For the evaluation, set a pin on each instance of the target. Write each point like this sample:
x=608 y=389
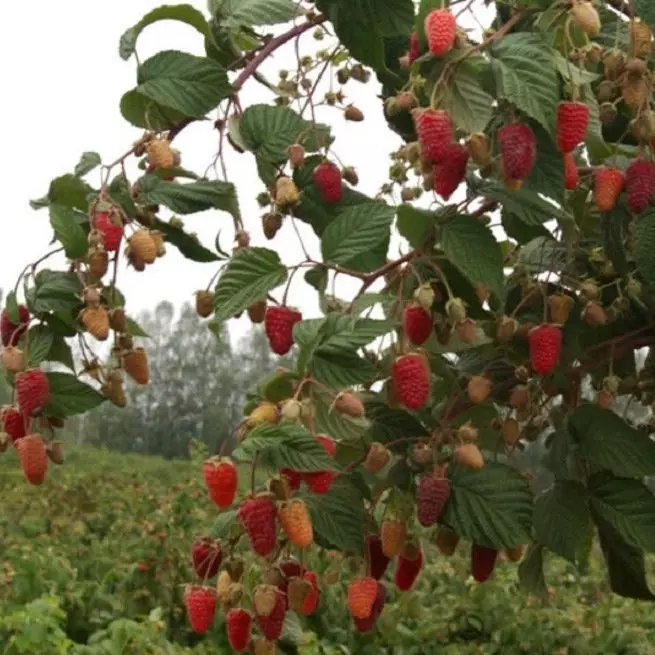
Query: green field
x=93 y=563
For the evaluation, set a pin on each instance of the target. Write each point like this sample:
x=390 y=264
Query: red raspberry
x=640 y=185
x=608 y=184
x=483 y=561
x=294 y=478
x=440 y=30
x=518 y=147
x=200 y=603
x=545 y=342
x=33 y=458
x=206 y=555
x=10 y=332
x=432 y=494
x=259 y=519
x=571 y=125
x=238 y=623
x=365 y=625
x=290 y=568
x=111 y=233
x=450 y=173
x=320 y=482
x=13 y=423
x=410 y=375
x=435 y=132
x=414 y=51
x=571 y=175
x=362 y=593
x=376 y=560
x=32 y=391
x=222 y=479
x=272 y=624
x=407 y=570
x=417 y=323
x=327 y=179
x=313 y=597
x=278 y=325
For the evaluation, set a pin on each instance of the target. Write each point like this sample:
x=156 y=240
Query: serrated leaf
x=611 y=225
x=466 y=101
x=286 y=445
x=188 y=245
x=491 y=507
x=247 y=277
x=182 y=13
x=416 y=224
x=355 y=231
x=473 y=249
x=644 y=246
x=562 y=521
x=38 y=344
x=524 y=71
x=390 y=424
x=646 y=11
x=340 y=369
x=608 y=442
x=65 y=222
x=134 y=329
x=571 y=72
x=88 y=161
x=185 y=83
x=222 y=526
x=55 y=291
x=317 y=277
x=11 y=305
x=141 y=111
x=531 y=571
x=257 y=12
x=278 y=386
x=70 y=191
x=344 y=332
x=60 y=351
x=543 y=254
x=70 y=396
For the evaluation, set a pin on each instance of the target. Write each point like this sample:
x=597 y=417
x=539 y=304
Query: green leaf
x=547 y=176
x=234 y=13
x=340 y=369
x=70 y=396
x=65 y=222
x=646 y=11
x=573 y=73
x=182 y=13
x=185 y=83
x=644 y=245
x=524 y=70
x=611 y=225
x=70 y=191
x=562 y=521
x=38 y=340
x=390 y=424
x=134 y=329
x=286 y=445
x=60 y=351
x=416 y=224
x=11 y=305
x=543 y=254
x=607 y=441
x=247 y=278
x=191 y=197
x=355 y=231
x=338 y=516
x=141 y=111
x=188 y=245
x=88 y=161
x=224 y=523
x=54 y=291
x=473 y=249
x=465 y=100
x=341 y=332
x=278 y=386
x=531 y=571
x=491 y=507
x=317 y=277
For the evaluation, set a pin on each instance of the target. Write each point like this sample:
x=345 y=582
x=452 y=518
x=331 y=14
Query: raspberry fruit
x=640 y=185
x=13 y=423
x=417 y=323
x=410 y=376
x=608 y=185
x=272 y=624
x=311 y=600
x=362 y=593
x=545 y=342
x=110 y=231
x=135 y=363
x=32 y=391
x=320 y=482
x=143 y=246
x=450 y=173
x=204 y=303
x=410 y=563
x=259 y=519
x=518 y=148
x=392 y=535
x=278 y=325
x=571 y=125
x=328 y=181
x=33 y=458
x=483 y=561
x=469 y=456
x=296 y=523
x=294 y=478
x=222 y=479
x=365 y=625
x=414 y=51
x=376 y=560
x=238 y=623
x=206 y=555
x=10 y=332
x=571 y=175
x=96 y=322
x=200 y=603
x=435 y=132
x=432 y=494
x=440 y=29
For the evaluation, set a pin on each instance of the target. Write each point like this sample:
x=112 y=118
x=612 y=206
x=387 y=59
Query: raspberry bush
x=490 y=388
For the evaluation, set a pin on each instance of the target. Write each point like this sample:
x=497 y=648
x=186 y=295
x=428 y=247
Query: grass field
x=94 y=561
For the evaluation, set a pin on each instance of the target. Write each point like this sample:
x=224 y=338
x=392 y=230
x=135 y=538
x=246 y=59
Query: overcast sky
x=62 y=82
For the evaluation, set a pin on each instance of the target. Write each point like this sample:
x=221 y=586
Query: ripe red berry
x=111 y=233
x=206 y=555
x=440 y=30
x=571 y=125
x=10 y=332
x=518 y=148
x=278 y=325
x=483 y=561
x=13 y=423
x=407 y=570
x=432 y=494
x=376 y=560
x=313 y=597
x=33 y=458
x=222 y=479
x=361 y=597
x=328 y=181
x=435 y=132
x=545 y=342
x=259 y=519
x=365 y=625
x=238 y=623
x=32 y=391
x=571 y=175
x=410 y=375
x=272 y=624
x=417 y=323
x=294 y=478
x=608 y=185
x=320 y=482
x=414 y=51
x=200 y=603
x=640 y=185
x=450 y=173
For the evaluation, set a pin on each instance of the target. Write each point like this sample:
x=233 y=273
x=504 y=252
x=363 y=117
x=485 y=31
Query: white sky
x=63 y=80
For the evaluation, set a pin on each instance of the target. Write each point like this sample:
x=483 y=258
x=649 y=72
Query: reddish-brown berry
x=414 y=51
x=417 y=323
x=238 y=624
x=608 y=185
x=361 y=597
x=440 y=29
x=328 y=180
x=365 y=625
x=32 y=391
x=451 y=171
x=518 y=147
x=258 y=517
x=200 y=603
x=407 y=570
x=206 y=556
x=33 y=458
x=571 y=175
x=222 y=479
x=10 y=332
x=640 y=185
x=435 y=132
x=483 y=561
x=272 y=624
x=312 y=599
x=545 y=342
x=294 y=478
x=410 y=375
x=376 y=560
x=278 y=325
x=571 y=125
x=432 y=494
